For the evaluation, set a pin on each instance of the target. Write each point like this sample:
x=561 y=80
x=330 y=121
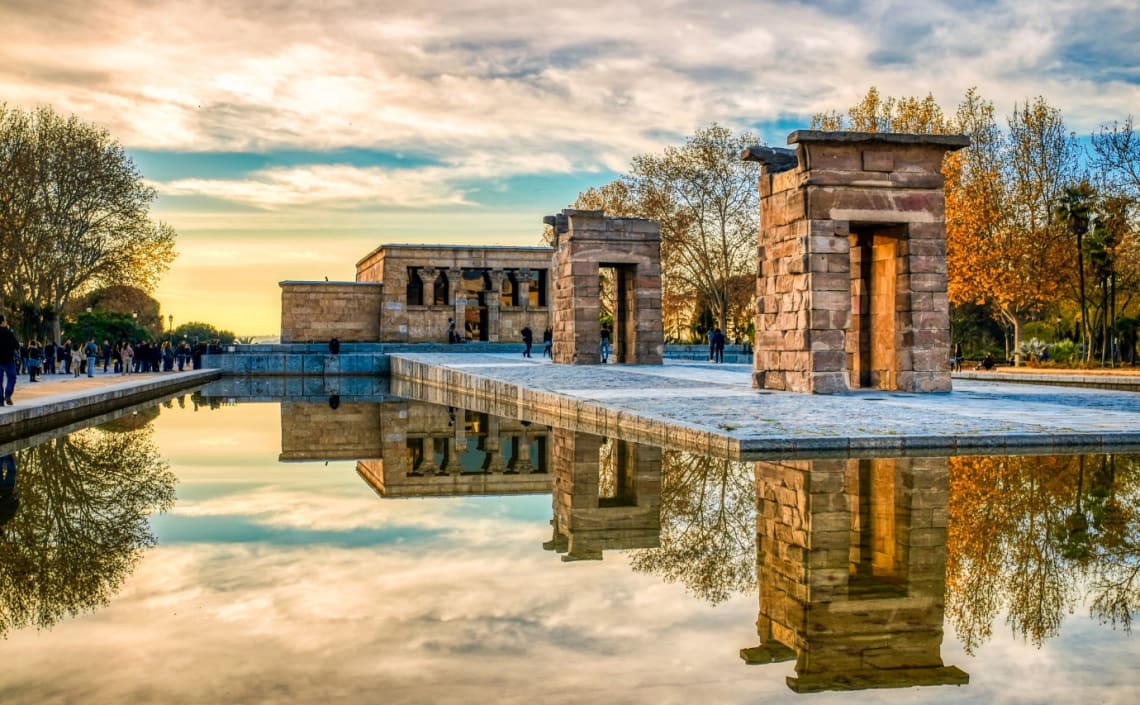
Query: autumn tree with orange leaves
x=1004 y=248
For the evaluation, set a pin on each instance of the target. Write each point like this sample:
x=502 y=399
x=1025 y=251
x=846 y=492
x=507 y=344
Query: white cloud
x=327 y=185
x=591 y=85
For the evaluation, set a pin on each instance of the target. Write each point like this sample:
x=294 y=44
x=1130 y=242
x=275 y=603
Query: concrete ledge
x=1065 y=379
x=53 y=411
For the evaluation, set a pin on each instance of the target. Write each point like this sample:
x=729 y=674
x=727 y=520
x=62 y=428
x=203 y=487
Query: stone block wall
x=632 y=247
x=406 y=321
x=350 y=431
x=851 y=286
x=318 y=311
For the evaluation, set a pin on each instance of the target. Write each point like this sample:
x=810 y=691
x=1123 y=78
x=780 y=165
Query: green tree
x=75 y=213
x=203 y=332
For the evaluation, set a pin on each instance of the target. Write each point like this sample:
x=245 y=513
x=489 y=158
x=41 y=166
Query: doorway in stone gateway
x=617 y=289
x=876 y=257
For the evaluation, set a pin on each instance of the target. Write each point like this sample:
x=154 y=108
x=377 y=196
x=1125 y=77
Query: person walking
x=9 y=349
x=91 y=352
x=604 y=345
x=528 y=340
x=548 y=343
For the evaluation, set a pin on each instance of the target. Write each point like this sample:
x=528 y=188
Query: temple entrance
x=872 y=337
x=616 y=306
x=606 y=270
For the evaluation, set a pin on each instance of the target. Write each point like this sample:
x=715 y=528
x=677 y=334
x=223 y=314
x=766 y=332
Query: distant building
x=408 y=293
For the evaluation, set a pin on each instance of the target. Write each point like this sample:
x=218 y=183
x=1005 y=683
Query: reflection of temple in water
x=606 y=492
x=429 y=450
x=852 y=565
x=607 y=495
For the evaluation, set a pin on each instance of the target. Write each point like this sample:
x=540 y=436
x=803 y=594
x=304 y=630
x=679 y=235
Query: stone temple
x=851 y=288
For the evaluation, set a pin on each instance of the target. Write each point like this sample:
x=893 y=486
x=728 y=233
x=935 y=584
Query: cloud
x=327 y=185
x=507 y=79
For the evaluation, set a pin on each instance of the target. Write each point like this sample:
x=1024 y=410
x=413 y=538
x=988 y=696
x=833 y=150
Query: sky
x=286 y=140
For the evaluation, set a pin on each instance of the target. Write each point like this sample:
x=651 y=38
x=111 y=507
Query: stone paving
x=719 y=399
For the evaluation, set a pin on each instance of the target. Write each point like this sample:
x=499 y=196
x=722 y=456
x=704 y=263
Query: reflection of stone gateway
x=852 y=567
x=607 y=495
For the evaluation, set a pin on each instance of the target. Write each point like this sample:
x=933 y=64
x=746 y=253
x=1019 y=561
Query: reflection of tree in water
x=708 y=526
x=82 y=523
x=1034 y=533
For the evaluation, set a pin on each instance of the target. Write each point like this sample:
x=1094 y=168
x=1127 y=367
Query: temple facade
x=414 y=293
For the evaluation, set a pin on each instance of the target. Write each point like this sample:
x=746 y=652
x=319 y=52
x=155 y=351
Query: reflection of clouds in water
x=457 y=623
x=237 y=623
x=288 y=508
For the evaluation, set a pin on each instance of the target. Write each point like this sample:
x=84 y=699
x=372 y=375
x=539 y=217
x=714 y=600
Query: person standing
x=957 y=357
x=80 y=358
x=128 y=355
x=548 y=343
x=106 y=354
x=65 y=354
x=451 y=331
x=49 y=357
x=91 y=351
x=9 y=348
x=528 y=340
x=604 y=345
x=718 y=346
x=35 y=359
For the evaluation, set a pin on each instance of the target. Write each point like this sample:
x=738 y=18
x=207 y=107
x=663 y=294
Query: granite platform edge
x=51 y=412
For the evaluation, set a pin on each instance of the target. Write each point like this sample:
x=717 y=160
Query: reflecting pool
x=357 y=548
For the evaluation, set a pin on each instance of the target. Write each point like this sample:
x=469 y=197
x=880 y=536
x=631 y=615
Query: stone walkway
x=718 y=400
x=55 y=400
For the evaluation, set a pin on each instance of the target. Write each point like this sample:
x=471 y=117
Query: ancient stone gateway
x=851 y=289
x=586 y=242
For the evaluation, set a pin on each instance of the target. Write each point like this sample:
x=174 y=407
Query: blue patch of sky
x=550 y=191
x=160 y=165
x=1101 y=45
x=172 y=529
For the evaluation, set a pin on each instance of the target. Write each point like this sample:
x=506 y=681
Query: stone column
x=454 y=279
x=523 y=277
x=494 y=299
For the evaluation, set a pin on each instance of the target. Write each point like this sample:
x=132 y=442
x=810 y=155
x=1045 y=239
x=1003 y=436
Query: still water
x=399 y=552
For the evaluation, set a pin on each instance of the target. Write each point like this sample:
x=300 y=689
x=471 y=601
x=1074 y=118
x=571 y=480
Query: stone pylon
x=851 y=287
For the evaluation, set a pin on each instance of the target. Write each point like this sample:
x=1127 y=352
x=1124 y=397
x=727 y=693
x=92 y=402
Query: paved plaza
x=719 y=399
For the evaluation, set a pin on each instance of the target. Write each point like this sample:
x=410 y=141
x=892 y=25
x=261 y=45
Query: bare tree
x=706 y=201
x=75 y=212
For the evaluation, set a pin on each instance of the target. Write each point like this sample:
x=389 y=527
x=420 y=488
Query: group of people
x=69 y=358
